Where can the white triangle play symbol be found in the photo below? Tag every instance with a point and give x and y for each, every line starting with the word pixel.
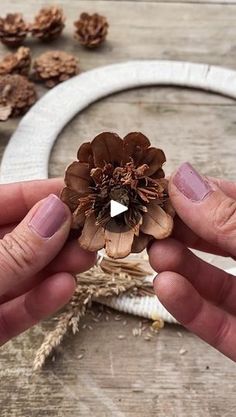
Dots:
pixel 117 208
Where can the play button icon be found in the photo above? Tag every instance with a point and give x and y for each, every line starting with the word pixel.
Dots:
pixel 116 208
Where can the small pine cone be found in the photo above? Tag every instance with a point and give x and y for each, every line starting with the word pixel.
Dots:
pixel 54 67
pixel 13 30
pixel 17 63
pixel 17 95
pixel 91 30
pixel 48 24
pixel 126 171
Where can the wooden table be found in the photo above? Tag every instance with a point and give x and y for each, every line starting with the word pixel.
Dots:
pixel 134 377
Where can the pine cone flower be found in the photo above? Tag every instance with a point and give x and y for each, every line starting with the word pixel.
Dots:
pixel 54 67
pixel 17 63
pixel 17 95
pixel 130 172
pixel 48 24
pixel 91 30
pixel 13 30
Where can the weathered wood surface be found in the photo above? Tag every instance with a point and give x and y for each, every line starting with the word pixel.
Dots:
pixel 133 377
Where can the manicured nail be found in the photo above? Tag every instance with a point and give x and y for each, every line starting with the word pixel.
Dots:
pixel 49 217
pixel 190 183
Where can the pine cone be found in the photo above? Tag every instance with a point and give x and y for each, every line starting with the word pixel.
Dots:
pixel 13 30
pixel 54 67
pixel 17 63
pixel 17 95
pixel 91 30
pixel 48 24
pixel 130 172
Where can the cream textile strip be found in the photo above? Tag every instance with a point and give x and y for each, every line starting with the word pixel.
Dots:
pixel 27 154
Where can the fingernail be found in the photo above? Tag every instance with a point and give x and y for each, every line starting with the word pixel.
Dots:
pixel 49 217
pixel 190 183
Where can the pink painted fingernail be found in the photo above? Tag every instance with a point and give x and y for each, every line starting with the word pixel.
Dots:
pixel 49 217
pixel 190 183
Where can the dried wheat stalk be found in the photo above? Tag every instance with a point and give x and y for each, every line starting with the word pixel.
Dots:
pixel 109 278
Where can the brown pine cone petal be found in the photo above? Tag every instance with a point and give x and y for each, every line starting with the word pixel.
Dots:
pixel 16 63
pixel 169 209
pixel 154 158
pixel 97 175
pixel 135 145
pixel 71 197
pixel 110 168
pixel 49 24
pixel 78 178
pixel 156 222
pixel 91 30
pixel 140 242
pixel 158 174
pixel 78 218
pixel 107 148
pixel 92 237
pixel 13 30
pixel 85 153
pixel 118 243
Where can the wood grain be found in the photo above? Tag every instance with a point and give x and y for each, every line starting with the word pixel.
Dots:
pixel 133 377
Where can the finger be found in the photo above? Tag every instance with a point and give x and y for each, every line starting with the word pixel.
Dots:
pixel 228 187
pixel 211 282
pixel 18 198
pixel 72 259
pixel 184 234
pixel 206 320
pixel 34 243
pixel 204 208
pixel 19 314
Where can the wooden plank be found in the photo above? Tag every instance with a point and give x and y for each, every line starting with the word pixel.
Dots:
pixel 195 32
pixel 122 378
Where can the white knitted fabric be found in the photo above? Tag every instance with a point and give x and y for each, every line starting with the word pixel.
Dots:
pixel 27 154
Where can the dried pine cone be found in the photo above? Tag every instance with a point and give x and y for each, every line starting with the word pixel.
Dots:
pixel 91 30
pixel 48 24
pixel 17 63
pixel 13 30
pixel 54 67
pixel 130 172
pixel 17 95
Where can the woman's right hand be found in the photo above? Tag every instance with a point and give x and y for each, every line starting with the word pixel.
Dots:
pixel 199 295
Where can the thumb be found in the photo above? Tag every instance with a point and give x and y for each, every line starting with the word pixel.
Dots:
pixel 34 242
pixel 204 207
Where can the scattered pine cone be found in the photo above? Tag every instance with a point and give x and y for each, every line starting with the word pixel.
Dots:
pixel 91 30
pixel 129 172
pixel 17 95
pixel 13 30
pixel 16 63
pixel 48 24
pixel 54 67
